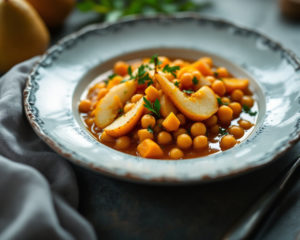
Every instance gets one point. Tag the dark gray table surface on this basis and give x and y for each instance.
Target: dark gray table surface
(121, 210)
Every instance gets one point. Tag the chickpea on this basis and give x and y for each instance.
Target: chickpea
(214, 129)
(128, 107)
(122, 143)
(236, 131)
(200, 142)
(237, 95)
(148, 120)
(89, 121)
(211, 121)
(169, 76)
(186, 80)
(184, 141)
(218, 87)
(208, 61)
(227, 142)
(136, 97)
(85, 106)
(225, 100)
(144, 134)
(222, 72)
(164, 138)
(179, 132)
(236, 108)
(245, 124)
(181, 118)
(179, 62)
(248, 101)
(225, 114)
(197, 75)
(106, 138)
(121, 68)
(210, 78)
(175, 153)
(197, 129)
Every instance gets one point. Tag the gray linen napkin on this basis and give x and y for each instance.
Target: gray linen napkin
(38, 190)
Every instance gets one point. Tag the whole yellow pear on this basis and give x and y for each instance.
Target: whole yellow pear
(22, 33)
(53, 12)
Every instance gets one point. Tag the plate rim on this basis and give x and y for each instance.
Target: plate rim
(98, 26)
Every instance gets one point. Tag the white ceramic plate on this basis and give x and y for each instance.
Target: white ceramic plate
(57, 82)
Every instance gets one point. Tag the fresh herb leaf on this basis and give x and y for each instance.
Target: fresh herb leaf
(129, 70)
(195, 81)
(112, 76)
(216, 74)
(143, 79)
(150, 82)
(223, 131)
(152, 107)
(176, 83)
(247, 110)
(150, 130)
(111, 10)
(154, 59)
(220, 102)
(170, 69)
(188, 91)
(142, 75)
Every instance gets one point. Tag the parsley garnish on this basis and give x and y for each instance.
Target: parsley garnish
(220, 102)
(195, 81)
(171, 70)
(112, 76)
(150, 130)
(188, 91)
(154, 59)
(222, 131)
(142, 76)
(176, 83)
(153, 107)
(216, 74)
(246, 109)
(129, 70)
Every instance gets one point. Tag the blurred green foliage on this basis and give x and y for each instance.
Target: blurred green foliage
(112, 10)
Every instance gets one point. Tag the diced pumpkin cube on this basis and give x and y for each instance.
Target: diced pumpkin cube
(152, 93)
(171, 123)
(149, 149)
(232, 84)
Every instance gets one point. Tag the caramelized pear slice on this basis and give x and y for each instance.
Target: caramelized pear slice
(125, 123)
(199, 106)
(166, 106)
(109, 105)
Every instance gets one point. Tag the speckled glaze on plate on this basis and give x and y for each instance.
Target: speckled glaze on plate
(59, 79)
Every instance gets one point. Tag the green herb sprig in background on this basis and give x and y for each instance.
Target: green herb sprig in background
(112, 10)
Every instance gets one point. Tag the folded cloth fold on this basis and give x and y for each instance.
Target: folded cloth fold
(38, 189)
